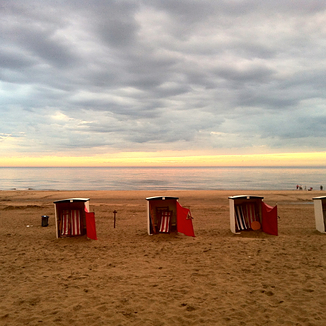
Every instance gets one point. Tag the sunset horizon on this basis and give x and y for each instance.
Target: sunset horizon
(160, 160)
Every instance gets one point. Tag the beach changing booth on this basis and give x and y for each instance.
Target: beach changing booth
(165, 215)
(251, 213)
(320, 213)
(72, 218)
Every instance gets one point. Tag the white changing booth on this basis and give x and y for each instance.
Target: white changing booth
(156, 207)
(72, 218)
(320, 213)
(165, 214)
(251, 213)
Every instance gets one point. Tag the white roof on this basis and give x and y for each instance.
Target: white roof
(71, 200)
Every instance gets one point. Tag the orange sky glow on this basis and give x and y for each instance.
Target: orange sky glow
(167, 159)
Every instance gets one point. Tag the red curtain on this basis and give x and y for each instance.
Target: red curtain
(90, 226)
(184, 221)
(269, 224)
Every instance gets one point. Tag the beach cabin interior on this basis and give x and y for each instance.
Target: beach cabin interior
(161, 214)
(251, 213)
(165, 215)
(320, 213)
(72, 218)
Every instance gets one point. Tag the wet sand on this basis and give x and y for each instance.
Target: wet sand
(127, 277)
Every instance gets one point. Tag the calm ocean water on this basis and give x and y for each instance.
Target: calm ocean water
(162, 178)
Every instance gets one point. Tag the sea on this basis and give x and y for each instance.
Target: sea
(162, 178)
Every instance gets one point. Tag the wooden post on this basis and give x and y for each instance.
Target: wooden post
(114, 218)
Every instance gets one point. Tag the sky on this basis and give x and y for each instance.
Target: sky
(162, 82)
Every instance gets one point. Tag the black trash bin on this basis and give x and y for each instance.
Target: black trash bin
(45, 220)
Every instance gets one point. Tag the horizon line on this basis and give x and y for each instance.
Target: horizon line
(174, 166)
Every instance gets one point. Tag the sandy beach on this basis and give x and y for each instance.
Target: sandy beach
(127, 277)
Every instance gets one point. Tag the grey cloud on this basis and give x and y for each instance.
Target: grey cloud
(140, 75)
(12, 60)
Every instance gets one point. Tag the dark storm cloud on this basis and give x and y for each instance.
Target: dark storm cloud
(154, 75)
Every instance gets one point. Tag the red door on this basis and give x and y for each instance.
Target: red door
(269, 219)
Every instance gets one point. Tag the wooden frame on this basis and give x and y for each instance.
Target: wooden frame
(156, 205)
(320, 213)
(241, 203)
(66, 205)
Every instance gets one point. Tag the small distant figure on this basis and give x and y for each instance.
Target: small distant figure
(310, 188)
(321, 187)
